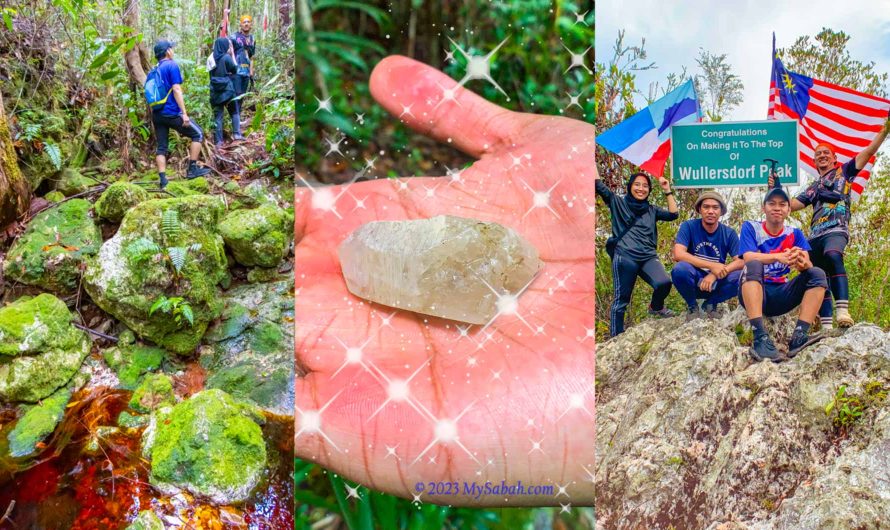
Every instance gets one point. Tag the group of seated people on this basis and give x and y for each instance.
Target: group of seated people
(714, 263)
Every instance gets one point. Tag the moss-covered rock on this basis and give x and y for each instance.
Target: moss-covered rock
(155, 390)
(127, 420)
(39, 348)
(126, 280)
(118, 199)
(187, 188)
(250, 353)
(130, 361)
(51, 252)
(258, 237)
(54, 196)
(71, 182)
(209, 444)
(37, 422)
(147, 520)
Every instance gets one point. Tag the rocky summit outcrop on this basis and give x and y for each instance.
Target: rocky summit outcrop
(209, 444)
(52, 251)
(40, 350)
(164, 249)
(691, 433)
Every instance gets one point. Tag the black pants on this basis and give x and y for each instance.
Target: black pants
(828, 255)
(780, 298)
(624, 276)
(164, 123)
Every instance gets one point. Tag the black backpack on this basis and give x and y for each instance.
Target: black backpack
(221, 88)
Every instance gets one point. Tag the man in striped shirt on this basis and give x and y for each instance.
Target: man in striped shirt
(700, 251)
(830, 197)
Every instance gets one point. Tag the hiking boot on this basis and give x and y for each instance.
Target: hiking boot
(196, 171)
(764, 349)
(710, 311)
(662, 313)
(238, 136)
(162, 181)
(844, 320)
(693, 313)
(799, 341)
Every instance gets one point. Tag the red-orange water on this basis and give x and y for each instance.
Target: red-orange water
(70, 488)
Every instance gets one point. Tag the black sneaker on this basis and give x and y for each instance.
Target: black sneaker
(799, 341)
(662, 313)
(710, 311)
(162, 182)
(196, 171)
(764, 349)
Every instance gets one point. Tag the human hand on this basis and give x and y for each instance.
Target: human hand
(718, 270)
(772, 179)
(518, 397)
(707, 283)
(665, 184)
(186, 122)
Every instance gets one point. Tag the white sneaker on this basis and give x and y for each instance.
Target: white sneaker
(844, 320)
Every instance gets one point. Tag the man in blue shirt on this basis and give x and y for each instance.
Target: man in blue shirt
(700, 251)
(770, 250)
(174, 116)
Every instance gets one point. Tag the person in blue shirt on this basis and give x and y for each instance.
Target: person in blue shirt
(700, 250)
(174, 116)
(770, 250)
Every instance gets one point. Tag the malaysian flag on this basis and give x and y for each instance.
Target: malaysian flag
(844, 118)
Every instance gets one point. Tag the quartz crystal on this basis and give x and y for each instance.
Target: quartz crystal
(439, 266)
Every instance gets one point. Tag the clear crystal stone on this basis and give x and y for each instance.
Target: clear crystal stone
(439, 266)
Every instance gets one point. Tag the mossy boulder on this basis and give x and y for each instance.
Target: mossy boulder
(118, 199)
(250, 348)
(52, 251)
(127, 277)
(210, 445)
(37, 422)
(258, 237)
(147, 520)
(131, 361)
(187, 188)
(40, 350)
(55, 196)
(71, 182)
(154, 391)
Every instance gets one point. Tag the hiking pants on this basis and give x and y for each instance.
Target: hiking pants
(828, 255)
(218, 110)
(686, 278)
(624, 275)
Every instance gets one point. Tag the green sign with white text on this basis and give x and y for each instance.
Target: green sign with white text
(722, 154)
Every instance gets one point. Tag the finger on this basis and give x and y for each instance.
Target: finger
(416, 94)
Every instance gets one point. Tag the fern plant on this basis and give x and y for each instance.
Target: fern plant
(177, 306)
(143, 249)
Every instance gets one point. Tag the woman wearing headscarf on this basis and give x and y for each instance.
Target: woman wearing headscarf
(632, 246)
(222, 89)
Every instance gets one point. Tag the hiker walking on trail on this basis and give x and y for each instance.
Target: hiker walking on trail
(170, 113)
(700, 250)
(632, 246)
(770, 250)
(830, 198)
(222, 90)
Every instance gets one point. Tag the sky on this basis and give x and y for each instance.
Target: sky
(675, 30)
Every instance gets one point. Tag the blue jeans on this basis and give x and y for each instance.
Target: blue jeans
(232, 107)
(686, 278)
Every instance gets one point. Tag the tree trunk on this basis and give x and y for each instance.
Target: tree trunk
(15, 194)
(284, 16)
(135, 58)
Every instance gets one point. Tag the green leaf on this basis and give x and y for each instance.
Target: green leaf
(177, 257)
(7, 19)
(170, 224)
(161, 303)
(54, 154)
(379, 15)
(187, 313)
(352, 40)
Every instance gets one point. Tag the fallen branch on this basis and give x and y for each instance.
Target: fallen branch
(94, 332)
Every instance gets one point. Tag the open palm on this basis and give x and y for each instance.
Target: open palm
(392, 398)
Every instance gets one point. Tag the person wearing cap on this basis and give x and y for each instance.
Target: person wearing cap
(245, 49)
(173, 115)
(700, 251)
(770, 250)
(635, 240)
(830, 198)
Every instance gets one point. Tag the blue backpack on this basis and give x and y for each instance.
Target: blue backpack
(156, 92)
(243, 63)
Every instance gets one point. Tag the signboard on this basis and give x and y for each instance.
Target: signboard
(722, 154)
